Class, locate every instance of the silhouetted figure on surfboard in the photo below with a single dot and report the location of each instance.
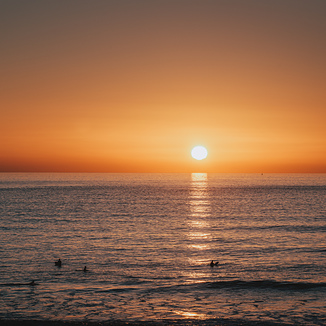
(58, 263)
(32, 283)
(82, 270)
(212, 264)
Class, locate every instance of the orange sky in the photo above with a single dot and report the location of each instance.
(133, 85)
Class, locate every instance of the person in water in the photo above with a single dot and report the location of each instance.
(213, 264)
(58, 263)
(85, 269)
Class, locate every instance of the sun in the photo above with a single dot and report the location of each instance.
(199, 153)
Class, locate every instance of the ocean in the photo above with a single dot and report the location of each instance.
(147, 241)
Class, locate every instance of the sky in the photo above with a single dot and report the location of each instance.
(134, 85)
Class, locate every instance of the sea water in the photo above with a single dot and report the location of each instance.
(148, 239)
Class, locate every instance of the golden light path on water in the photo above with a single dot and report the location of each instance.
(200, 210)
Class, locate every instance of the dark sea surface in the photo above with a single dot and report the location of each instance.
(148, 239)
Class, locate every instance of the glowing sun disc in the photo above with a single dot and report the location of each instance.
(199, 153)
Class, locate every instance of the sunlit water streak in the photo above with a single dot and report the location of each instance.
(147, 241)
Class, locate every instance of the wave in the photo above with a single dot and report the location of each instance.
(266, 284)
(234, 285)
(149, 322)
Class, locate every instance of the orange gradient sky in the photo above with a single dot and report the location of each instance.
(134, 85)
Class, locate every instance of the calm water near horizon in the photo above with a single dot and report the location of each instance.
(147, 241)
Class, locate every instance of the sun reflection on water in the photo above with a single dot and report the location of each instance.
(188, 314)
(200, 210)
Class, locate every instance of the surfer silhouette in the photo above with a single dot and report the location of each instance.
(58, 263)
(212, 264)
